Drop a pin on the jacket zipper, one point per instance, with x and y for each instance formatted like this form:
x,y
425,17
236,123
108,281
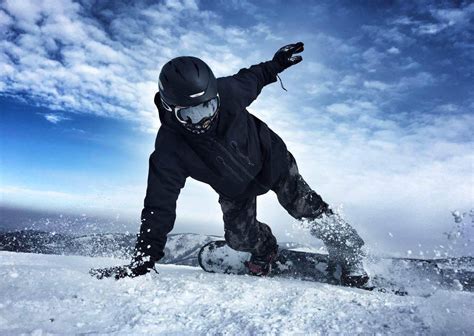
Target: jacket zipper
x,y
221,160
237,163
233,144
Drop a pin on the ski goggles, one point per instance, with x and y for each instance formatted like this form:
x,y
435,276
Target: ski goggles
x,y
194,114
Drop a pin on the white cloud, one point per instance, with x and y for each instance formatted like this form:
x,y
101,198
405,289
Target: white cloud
x,y
321,88
393,51
455,16
26,11
430,28
409,64
267,32
390,35
318,69
55,118
401,86
421,79
441,20
377,85
352,108
5,20
349,81
320,79
373,58
70,61
340,109
448,108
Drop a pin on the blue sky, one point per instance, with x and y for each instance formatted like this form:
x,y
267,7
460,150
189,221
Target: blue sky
x,y
378,115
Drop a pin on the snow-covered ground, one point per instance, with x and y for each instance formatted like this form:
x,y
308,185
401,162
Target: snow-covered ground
x,y
50,294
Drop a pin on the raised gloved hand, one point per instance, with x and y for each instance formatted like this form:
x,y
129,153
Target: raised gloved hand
x,y
285,55
139,266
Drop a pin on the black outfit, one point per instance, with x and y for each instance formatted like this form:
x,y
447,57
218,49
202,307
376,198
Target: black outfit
x,y
240,158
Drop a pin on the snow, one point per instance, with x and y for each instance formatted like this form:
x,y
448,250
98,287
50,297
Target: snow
x,y
51,294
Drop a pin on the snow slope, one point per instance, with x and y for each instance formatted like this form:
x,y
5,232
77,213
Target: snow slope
x,y
50,294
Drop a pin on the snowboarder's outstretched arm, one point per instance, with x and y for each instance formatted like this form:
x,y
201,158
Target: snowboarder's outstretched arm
x,y
166,178
249,82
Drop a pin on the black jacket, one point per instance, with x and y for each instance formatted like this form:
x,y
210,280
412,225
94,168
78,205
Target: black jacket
x,y
239,158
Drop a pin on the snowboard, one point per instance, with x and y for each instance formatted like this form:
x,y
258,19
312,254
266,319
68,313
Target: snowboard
x,y
218,257
400,276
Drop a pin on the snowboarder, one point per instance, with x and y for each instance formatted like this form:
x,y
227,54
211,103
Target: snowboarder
x,y
207,133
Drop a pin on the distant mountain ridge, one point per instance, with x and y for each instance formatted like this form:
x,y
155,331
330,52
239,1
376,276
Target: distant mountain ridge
x,y
181,248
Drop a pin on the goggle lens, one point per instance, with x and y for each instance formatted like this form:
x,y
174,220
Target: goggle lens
x,y
195,114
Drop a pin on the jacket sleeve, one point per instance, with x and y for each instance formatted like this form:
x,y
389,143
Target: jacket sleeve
x,y
249,82
166,178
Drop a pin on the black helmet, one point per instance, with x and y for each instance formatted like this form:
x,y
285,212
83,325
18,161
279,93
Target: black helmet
x,y
188,88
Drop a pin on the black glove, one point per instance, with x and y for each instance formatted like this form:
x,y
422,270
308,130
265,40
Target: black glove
x,y
284,56
137,267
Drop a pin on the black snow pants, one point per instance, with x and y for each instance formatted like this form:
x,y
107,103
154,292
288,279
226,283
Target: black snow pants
x,y
243,232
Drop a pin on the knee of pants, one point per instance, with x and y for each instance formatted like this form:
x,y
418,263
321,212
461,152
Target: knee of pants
x,y
310,205
239,241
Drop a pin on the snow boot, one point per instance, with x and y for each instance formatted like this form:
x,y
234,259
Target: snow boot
x,y
353,274
352,271
261,265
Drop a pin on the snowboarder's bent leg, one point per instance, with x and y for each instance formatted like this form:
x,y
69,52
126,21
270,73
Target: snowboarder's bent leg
x,y
303,203
296,196
243,232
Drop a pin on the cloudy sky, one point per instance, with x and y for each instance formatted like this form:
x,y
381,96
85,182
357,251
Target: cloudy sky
x,y
379,115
